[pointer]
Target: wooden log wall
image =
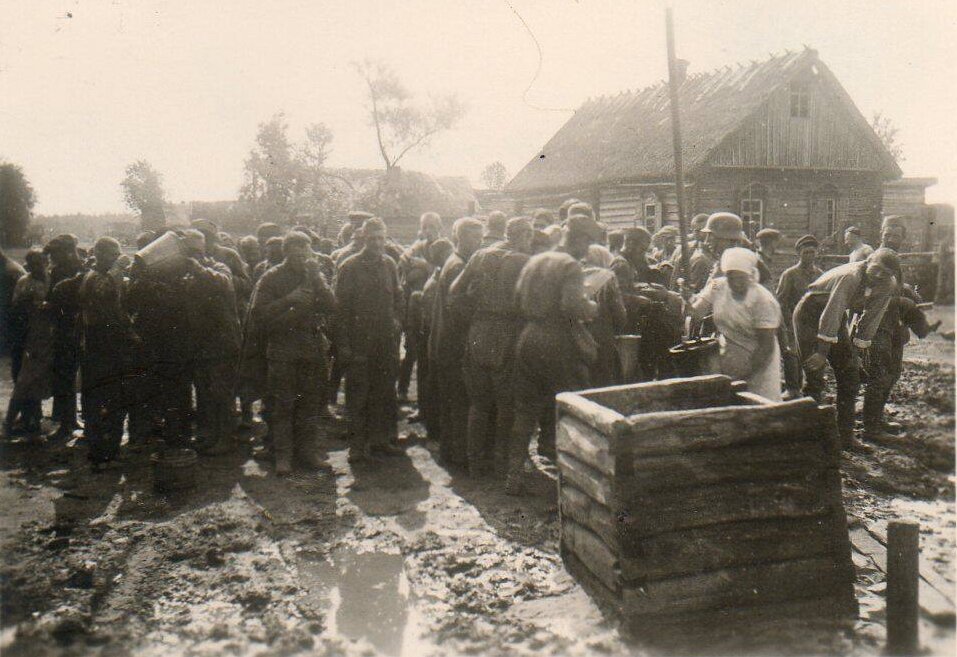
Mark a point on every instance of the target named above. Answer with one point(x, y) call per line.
point(675, 512)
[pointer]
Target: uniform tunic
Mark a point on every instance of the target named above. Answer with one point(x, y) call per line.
point(370, 303)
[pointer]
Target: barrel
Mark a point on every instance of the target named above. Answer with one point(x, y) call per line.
point(174, 470)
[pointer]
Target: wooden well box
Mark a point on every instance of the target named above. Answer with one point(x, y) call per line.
point(688, 498)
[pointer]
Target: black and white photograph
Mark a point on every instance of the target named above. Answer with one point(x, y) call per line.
point(486, 328)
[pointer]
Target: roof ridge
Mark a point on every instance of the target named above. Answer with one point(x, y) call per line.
point(697, 75)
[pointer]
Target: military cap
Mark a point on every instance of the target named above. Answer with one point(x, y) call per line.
point(699, 221)
point(726, 226)
point(60, 242)
point(358, 217)
point(806, 241)
point(768, 234)
point(584, 224)
point(580, 209)
point(886, 258)
point(854, 230)
point(893, 221)
point(205, 226)
point(637, 232)
point(667, 230)
point(565, 206)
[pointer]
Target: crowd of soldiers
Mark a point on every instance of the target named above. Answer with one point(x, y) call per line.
point(497, 318)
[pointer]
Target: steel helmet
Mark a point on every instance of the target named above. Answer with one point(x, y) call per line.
point(726, 226)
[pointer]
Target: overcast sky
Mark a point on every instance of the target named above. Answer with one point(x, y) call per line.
point(184, 84)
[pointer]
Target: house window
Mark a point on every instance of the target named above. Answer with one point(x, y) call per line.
point(651, 210)
point(752, 214)
point(830, 215)
point(800, 100)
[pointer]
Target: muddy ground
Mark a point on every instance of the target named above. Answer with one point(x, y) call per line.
point(403, 558)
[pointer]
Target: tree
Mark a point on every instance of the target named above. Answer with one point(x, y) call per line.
point(495, 176)
point(143, 192)
point(887, 132)
point(400, 125)
point(17, 199)
point(284, 180)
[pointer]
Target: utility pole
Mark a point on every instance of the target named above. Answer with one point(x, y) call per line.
point(673, 84)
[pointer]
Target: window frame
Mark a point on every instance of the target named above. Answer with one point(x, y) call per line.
point(747, 216)
point(799, 105)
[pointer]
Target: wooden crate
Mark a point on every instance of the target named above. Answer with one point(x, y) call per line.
point(689, 497)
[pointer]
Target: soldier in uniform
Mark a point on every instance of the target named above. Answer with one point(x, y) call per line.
point(885, 360)
point(370, 304)
point(64, 286)
point(449, 332)
point(487, 284)
point(554, 349)
point(291, 303)
point(494, 228)
point(428, 381)
point(215, 336)
point(821, 329)
point(791, 288)
point(858, 250)
point(106, 341)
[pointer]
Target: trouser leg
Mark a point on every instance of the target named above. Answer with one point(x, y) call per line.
point(382, 404)
point(408, 362)
point(546, 435)
point(455, 404)
point(846, 365)
point(481, 394)
point(309, 403)
point(174, 406)
point(103, 414)
point(884, 363)
point(504, 417)
point(357, 394)
point(281, 380)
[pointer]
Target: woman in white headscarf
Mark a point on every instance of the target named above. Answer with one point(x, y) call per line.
point(747, 316)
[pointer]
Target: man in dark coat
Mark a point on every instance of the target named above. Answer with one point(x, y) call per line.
point(370, 305)
point(107, 339)
point(12, 272)
point(215, 334)
point(158, 307)
point(554, 349)
point(447, 340)
point(424, 301)
point(63, 302)
point(291, 303)
point(487, 284)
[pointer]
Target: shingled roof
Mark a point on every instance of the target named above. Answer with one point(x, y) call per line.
point(627, 137)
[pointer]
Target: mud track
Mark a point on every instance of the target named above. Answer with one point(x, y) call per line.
point(402, 558)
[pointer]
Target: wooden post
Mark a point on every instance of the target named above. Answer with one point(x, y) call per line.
point(673, 84)
point(903, 574)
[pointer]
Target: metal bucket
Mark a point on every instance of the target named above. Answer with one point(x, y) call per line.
point(163, 253)
point(174, 470)
point(629, 346)
point(696, 357)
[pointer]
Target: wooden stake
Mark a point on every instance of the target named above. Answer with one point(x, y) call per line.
point(903, 573)
point(673, 84)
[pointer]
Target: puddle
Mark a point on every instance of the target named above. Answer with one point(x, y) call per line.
point(368, 600)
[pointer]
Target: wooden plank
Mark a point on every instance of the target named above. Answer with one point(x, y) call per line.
point(589, 548)
point(934, 600)
point(729, 545)
point(576, 505)
point(753, 462)
point(663, 395)
point(710, 428)
point(736, 587)
point(606, 420)
point(605, 596)
point(587, 479)
point(585, 443)
point(670, 510)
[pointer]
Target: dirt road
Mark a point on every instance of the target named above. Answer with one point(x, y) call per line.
point(399, 559)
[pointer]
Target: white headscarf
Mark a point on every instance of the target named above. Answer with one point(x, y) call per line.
point(740, 259)
point(599, 256)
